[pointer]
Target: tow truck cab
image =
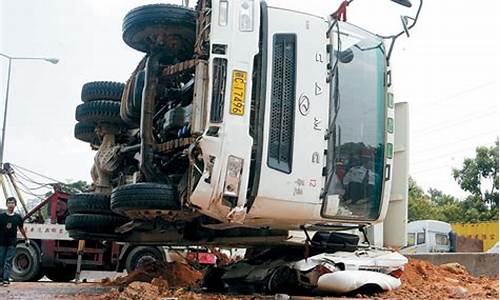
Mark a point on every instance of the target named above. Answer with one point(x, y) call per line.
point(299, 119)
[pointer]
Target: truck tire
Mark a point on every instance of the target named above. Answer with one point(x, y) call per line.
point(91, 223)
point(86, 133)
point(89, 203)
point(102, 90)
point(144, 196)
point(93, 236)
point(142, 254)
point(132, 112)
point(26, 263)
point(99, 111)
point(61, 274)
point(166, 26)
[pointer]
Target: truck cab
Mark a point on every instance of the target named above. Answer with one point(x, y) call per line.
point(300, 122)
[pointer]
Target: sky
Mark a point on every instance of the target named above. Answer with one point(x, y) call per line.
point(447, 71)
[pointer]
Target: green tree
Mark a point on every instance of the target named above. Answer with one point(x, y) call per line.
point(479, 177)
point(75, 187)
point(436, 205)
point(72, 187)
point(420, 206)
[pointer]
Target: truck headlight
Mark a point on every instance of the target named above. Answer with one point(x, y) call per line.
point(233, 176)
point(247, 15)
point(223, 12)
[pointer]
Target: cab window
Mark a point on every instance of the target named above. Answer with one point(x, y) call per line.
point(420, 238)
point(411, 239)
point(441, 239)
point(357, 112)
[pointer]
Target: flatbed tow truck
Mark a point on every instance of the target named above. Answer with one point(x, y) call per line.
point(242, 124)
point(54, 254)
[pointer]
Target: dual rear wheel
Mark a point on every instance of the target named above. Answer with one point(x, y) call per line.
point(92, 218)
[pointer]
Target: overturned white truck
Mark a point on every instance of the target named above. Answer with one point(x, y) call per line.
point(242, 123)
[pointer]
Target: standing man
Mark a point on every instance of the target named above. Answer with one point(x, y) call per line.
point(9, 223)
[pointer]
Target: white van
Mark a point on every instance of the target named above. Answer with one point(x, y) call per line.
point(428, 236)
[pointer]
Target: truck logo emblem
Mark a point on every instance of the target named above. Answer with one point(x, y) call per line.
point(304, 105)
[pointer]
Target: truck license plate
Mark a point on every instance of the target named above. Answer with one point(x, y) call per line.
point(238, 92)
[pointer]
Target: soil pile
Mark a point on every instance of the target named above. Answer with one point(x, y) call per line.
point(423, 280)
point(173, 275)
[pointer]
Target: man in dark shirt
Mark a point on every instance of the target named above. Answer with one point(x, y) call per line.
point(9, 223)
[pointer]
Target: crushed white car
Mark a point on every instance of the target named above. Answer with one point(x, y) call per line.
point(336, 269)
point(345, 272)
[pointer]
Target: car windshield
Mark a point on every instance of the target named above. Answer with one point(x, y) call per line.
point(357, 113)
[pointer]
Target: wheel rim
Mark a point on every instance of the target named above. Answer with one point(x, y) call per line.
point(22, 263)
point(145, 259)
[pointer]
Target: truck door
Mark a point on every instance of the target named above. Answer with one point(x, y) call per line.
point(357, 130)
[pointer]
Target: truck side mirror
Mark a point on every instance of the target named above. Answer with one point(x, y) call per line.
point(345, 56)
point(406, 3)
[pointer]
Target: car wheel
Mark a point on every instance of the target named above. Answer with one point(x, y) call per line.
point(281, 279)
point(165, 26)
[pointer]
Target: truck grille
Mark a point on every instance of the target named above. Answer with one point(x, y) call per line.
point(282, 103)
point(218, 90)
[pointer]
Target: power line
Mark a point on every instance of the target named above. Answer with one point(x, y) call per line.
point(28, 179)
point(460, 93)
point(38, 174)
point(431, 169)
point(460, 122)
point(442, 155)
point(440, 146)
point(487, 110)
point(26, 189)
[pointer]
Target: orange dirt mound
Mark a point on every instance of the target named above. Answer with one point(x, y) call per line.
point(173, 275)
point(423, 280)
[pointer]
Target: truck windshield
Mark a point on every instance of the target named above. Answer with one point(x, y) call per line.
point(357, 114)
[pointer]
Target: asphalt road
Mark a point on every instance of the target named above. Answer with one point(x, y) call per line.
point(45, 290)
